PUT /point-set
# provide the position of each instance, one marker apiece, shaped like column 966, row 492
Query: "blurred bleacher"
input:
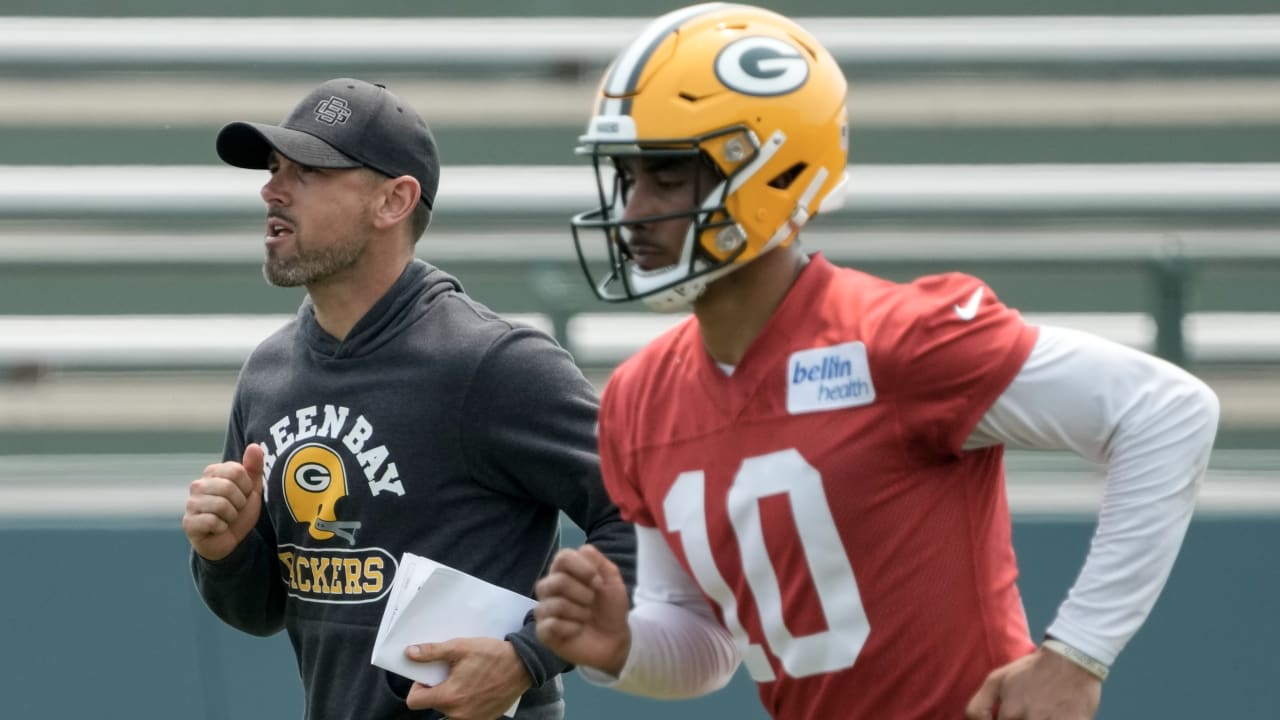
column 1120, row 174
column 1113, row 166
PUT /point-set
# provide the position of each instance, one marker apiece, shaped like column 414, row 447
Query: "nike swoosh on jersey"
column 969, row 310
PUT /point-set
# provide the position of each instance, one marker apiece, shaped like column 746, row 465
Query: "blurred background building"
column 1113, row 166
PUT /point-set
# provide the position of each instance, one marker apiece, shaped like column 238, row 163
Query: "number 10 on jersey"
column 783, row 472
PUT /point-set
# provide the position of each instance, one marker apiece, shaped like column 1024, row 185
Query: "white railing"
column 605, row 339
column 1112, row 243
column 598, row 340
column 594, row 41
column 54, row 490
column 35, row 190
column 123, row 341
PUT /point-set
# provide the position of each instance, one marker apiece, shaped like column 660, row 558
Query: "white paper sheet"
column 431, row 602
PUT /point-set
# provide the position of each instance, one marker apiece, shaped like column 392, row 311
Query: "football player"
column 814, row 459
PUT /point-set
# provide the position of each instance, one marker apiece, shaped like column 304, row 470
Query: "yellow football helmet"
column 753, row 94
column 314, row 481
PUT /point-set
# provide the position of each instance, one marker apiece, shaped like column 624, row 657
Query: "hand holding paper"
column 433, row 603
column 486, row 678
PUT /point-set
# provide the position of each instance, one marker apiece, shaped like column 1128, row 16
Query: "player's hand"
column 224, row 505
column 485, row 678
column 582, row 610
column 1040, row 686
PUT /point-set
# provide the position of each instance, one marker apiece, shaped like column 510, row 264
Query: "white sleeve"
column 1152, row 424
column 678, row 648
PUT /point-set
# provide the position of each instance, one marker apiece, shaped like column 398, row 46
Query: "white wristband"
column 1095, row 667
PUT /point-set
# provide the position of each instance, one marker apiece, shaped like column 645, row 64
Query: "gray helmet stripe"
column 626, row 71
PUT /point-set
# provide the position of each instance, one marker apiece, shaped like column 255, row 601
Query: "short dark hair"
column 419, row 221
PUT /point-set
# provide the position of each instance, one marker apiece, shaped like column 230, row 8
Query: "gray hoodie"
column 436, row 427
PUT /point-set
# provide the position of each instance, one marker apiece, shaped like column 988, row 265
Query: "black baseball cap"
column 344, row 123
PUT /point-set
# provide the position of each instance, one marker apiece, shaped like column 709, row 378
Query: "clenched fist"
column 224, row 504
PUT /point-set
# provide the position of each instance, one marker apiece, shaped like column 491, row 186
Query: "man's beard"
column 309, row 266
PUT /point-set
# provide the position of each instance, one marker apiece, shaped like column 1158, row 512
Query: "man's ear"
column 397, row 199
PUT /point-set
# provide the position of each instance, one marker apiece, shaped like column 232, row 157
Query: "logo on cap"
column 333, row 110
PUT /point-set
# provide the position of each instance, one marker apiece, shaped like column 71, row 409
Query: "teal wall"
column 105, row 623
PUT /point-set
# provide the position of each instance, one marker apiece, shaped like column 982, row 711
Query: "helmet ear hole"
column 783, row 180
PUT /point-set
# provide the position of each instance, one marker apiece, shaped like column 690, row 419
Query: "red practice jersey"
column 821, row 497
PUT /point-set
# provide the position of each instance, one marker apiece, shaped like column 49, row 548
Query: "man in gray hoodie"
column 394, row 414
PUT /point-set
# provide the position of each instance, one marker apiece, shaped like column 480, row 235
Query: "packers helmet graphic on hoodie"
column 314, row 481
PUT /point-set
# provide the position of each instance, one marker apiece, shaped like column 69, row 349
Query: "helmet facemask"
column 712, row 243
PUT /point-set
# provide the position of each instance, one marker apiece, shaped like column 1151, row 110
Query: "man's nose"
column 638, row 206
column 272, row 191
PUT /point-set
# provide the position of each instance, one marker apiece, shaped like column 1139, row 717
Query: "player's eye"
column 669, row 183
